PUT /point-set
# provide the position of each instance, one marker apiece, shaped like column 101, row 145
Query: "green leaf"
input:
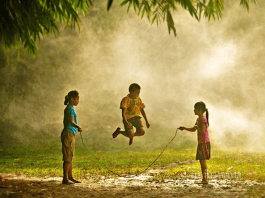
column 125, row 2
column 170, row 23
column 135, row 4
column 245, row 3
column 26, row 20
column 109, row 4
column 188, row 5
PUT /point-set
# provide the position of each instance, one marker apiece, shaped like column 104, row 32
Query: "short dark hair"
column 134, row 87
column 71, row 94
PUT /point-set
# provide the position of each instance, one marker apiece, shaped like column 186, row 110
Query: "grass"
column 229, row 164
column 48, row 161
column 43, row 158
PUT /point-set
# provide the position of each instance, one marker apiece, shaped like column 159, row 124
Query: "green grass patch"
column 43, row 160
column 228, row 164
column 256, row 191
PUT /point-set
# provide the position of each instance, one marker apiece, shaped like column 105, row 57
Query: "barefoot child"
column 204, row 147
column 68, row 135
column 132, row 106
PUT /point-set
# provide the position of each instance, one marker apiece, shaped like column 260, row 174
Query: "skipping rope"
column 115, row 173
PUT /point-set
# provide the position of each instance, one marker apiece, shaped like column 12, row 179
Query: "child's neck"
column 200, row 115
column 131, row 96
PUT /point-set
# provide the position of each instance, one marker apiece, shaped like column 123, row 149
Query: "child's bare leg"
column 128, row 133
column 139, row 132
column 66, row 168
column 117, row 132
column 70, row 175
column 204, row 171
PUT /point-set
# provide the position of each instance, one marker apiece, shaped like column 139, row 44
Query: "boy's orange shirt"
column 132, row 106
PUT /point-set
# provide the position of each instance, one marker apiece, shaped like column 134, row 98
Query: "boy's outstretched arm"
column 144, row 115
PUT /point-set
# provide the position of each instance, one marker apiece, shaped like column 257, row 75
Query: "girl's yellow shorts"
column 68, row 145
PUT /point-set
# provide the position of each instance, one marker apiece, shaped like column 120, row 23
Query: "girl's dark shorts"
column 203, row 151
column 135, row 121
column 68, row 145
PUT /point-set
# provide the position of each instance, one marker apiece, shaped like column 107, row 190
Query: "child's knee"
column 130, row 133
column 141, row 131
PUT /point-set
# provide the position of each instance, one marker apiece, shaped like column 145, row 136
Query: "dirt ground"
column 24, row 186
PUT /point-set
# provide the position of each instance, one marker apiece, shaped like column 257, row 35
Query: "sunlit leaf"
column 23, row 22
column 109, row 4
column 170, row 23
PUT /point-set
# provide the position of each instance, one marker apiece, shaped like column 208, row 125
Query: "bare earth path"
column 23, row 186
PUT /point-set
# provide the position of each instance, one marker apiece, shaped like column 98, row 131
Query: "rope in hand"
column 137, row 173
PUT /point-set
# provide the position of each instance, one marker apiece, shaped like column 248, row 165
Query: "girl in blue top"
column 68, row 135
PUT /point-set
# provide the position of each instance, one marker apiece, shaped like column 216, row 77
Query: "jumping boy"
column 131, row 107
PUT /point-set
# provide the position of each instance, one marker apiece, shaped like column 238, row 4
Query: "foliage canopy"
column 23, row 22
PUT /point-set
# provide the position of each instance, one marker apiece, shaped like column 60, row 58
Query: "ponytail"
column 66, row 101
column 207, row 116
column 71, row 94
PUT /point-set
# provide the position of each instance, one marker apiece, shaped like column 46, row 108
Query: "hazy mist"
column 218, row 62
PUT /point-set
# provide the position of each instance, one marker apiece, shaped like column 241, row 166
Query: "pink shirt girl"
column 203, row 137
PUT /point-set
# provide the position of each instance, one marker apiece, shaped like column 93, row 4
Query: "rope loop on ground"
column 115, row 173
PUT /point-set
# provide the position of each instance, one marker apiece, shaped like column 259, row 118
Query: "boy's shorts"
column 203, row 151
column 68, row 145
column 135, row 121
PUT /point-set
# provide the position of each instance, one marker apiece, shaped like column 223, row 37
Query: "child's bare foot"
column 75, row 181
column 116, row 133
column 67, row 182
column 131, row 141
column 202, row 182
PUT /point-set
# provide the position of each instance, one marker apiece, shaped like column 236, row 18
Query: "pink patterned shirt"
column 203, row 137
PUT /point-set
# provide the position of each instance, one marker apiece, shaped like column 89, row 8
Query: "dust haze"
column 218, row 62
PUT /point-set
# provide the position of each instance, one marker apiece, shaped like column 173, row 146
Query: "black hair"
column 201, row 105
column 134, row 87
column 71, row 94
